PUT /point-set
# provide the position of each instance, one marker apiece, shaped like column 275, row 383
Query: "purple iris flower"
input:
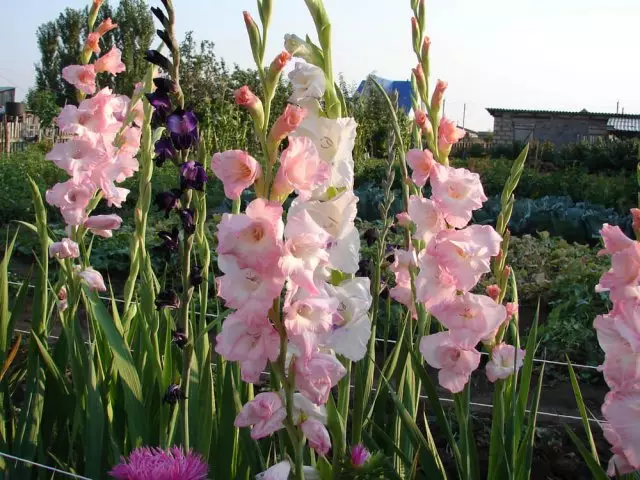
column 192, row 175
column 188, row 222
column 183, row 127
column 164, row 151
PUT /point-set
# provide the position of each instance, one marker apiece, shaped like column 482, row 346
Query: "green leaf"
column 583, row 410
column 595, row 468
column 49, row 363
column 94, row 428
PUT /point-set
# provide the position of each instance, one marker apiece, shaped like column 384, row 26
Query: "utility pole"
column 464, row 114
column 617, row 106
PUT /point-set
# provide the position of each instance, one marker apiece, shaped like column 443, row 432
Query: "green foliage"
column 43, row 104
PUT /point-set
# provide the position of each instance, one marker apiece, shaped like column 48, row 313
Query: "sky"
column 539, row 54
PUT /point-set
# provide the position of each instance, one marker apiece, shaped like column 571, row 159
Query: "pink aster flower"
column 454, row 362
column 457, row 192
column 110, row 62
column 265, row 414
column 147, row 463
column 102, row 225
column 427, row 217
column 421, row 163
column 66, row 248
column 83, row 77
column 301, row 169
column 317, row 435
column 504, row 361
column 237, row 170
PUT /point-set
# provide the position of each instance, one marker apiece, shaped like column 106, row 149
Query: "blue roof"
column 403, row 87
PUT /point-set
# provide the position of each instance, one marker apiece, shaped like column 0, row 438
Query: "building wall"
column 7, row 96
column 558, row 130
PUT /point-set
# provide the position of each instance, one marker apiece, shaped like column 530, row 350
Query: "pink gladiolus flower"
column 418, row 72
column 93, row 279
column 465, row 254
column 359, row 455
column 106, row 26
column 434, row 283
column 83, row 77
column 171, row 464
column 98, row 114
column 455, row 362
column 438, row 95
column 620, row 409
column 244, row 97
column 504, row 361
column 403, row 260
column 448, row 134
column 79, row 156
column 265, row 413
column 245, row 287
column 624, row 275
column 469, row 317
column 304, row 250
column 66, row 248
column 280, row 471
column 72, row 199
column 427, row 217
column 280, row 61
column 619, row 463
column 404, row 220
column 457, row 192
column 614, row 240
column 286, row 123
column 237, row 170
column 255, row 238
column 635, row 215
column 301, row 169
column 316, row 375
column 250, row 339
column 103, row 224
column 92, row 43
column 317, row 435
column 63, row 302
column 309, row 314
column 512, row 309
column 421, row 163
column 110, row 62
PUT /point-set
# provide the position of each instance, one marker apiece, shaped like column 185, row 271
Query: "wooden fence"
column 17, row 134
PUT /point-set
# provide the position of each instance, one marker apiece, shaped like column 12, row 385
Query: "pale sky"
column 543, row 54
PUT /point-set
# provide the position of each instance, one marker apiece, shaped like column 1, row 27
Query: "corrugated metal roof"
column 582, row 112
column 622, row 124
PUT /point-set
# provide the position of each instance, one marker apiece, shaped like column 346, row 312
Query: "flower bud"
column 62, row 299
column 415, row 35
column 512, row 309
column 438, row 94
column 493, row 291
column 275, row 70
column 106, row 26
column 422, row 15
column 421, row 81
column 635, row 223
column 286, row 123
column 506, row 272
column 426, row 44
column 297, row 47
column 92, row 43
column 404, row 220
column 254, row 37
column 246, row 98
column 264, row 8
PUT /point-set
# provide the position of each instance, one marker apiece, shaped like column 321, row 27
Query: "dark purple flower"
column 152, row 462
column 167, row 201
column 192, row 175
column 159, row 100
column 155, row 57
column 167, row 299
column 183, row 127
column 359, row 455
column 171, row 239
column 179, row 338
column 370, row 235
column 364, row 268
column 188, row 222
column 195, row 277
column 173, row 394
column 164, row 151
column 164, row 84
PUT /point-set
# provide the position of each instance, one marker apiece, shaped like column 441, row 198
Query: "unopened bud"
column 254, row 37
column 246, row 98
column 438, row 94
column 404, row 220
column 512, row 309
column 506, row 273
column 422, row 121
column 493, row 291
column 418, row 72
column 415, row 35
column 635, row 223
column 275, row 70
column 426, row 44
column 422, row 15
column 62, row 299
column 106, row 26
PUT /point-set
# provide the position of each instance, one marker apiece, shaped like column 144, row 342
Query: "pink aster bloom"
column 301, row 169
column 248, row 338
column 237, row 170
column 102, row 225
column 466, row 254
column 72, row 199
column 255, row 238
column 504, row 361
column 245, row 287
column 265, row 413
column 427, row 217
column 304, row 250
column 470, row 317
column 110, row 62
column 457, row 192
column 287, row 123
column 146, row 463
column 93, row 279
column 448, row 134
column 66, row 248
column 614, row 240
column 83, row 77
column 620, row 409
column 316, row 375
column 421, row 163
column 454, row 362
column 317, row 435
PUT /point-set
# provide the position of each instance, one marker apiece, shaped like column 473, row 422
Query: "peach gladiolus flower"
column 237, row 170
column 421, row 163
column 110, row 62
column 83, row 77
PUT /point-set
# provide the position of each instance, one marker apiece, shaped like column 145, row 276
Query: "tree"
column 43, row 103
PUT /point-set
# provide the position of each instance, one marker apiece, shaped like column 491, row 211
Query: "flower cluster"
column 619, row 337
column 454, row 258
column 99, row 155
column 259, row 255
column 146, row 463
